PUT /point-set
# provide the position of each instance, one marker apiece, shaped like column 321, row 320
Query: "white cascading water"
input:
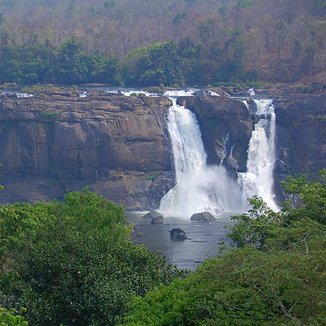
column 225, row 152
column 258, row 180
column 198, row 187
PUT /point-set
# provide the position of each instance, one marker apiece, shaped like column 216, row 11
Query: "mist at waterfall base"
column 199, row 188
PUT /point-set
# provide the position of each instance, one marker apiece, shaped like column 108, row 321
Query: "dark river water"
column 203, row 238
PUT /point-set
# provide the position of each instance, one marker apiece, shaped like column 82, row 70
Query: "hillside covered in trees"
column 170, row 42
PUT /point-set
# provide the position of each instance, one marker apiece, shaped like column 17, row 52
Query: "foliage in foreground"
column 10, row 318
column 276, row 277
column 73, row 263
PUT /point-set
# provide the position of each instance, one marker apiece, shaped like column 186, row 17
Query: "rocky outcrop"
column 203, row 216
column 119, row 146
column 157, row 220
column 155, row 217
column 153, row 214
column 178, row 234
column 301, row 134
column 116, row 145
column 226, row 126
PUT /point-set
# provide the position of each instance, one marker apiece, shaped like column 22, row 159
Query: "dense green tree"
column 308, row 198
column 27, row 64
column 191, row 63
column 68, row 64
column 72, row 63
column 102, row 69
column 74, row 263
column 155, row 64
column 10, row 318
column 243, row 287
column 299, row 219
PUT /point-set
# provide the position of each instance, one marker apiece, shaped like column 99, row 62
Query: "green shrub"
column 10, row 318
column 74, row 263
column 49, row 115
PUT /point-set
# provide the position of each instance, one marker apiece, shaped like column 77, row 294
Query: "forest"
column 73, row 263
column 162, row 63
column 174, row 43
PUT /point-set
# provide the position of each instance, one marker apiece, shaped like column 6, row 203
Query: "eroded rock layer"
column 226, row 126
column 117, row 145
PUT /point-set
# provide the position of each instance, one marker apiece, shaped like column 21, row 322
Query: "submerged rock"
column 178, row 234
column 156, row 217
column 153, row 214
column 203, row 216
column 157, row 220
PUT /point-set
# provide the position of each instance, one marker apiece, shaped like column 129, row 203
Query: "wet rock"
column 219, row 117
column 156, row 217
column 204, row 216
column 252, row 106
column 301, row 134
column 8, row 95
column 153, row 214
column 157, row 220
column 178, row 234
column 202, row 93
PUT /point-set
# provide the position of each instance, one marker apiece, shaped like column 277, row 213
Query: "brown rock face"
column 301, row 134
column 117, row 145
column 226, row 126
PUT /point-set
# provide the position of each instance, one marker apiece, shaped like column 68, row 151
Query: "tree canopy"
column 73, row 263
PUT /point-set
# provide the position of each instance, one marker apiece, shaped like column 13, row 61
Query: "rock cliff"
column 301, row 134
column 226, row 126
column 119, row 146
column 114, row 144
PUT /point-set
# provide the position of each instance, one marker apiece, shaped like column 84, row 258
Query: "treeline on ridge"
column 282, row 40
column 161, row 63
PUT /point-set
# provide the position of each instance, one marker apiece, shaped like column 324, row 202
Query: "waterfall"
column 225, row 151
column 258, row 180
column 198, row 187
column 201, row 188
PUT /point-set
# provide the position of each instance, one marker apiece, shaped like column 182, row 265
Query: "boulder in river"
column 203, row 216
column 157, row 218
column 178, row 234
column 153, row 214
